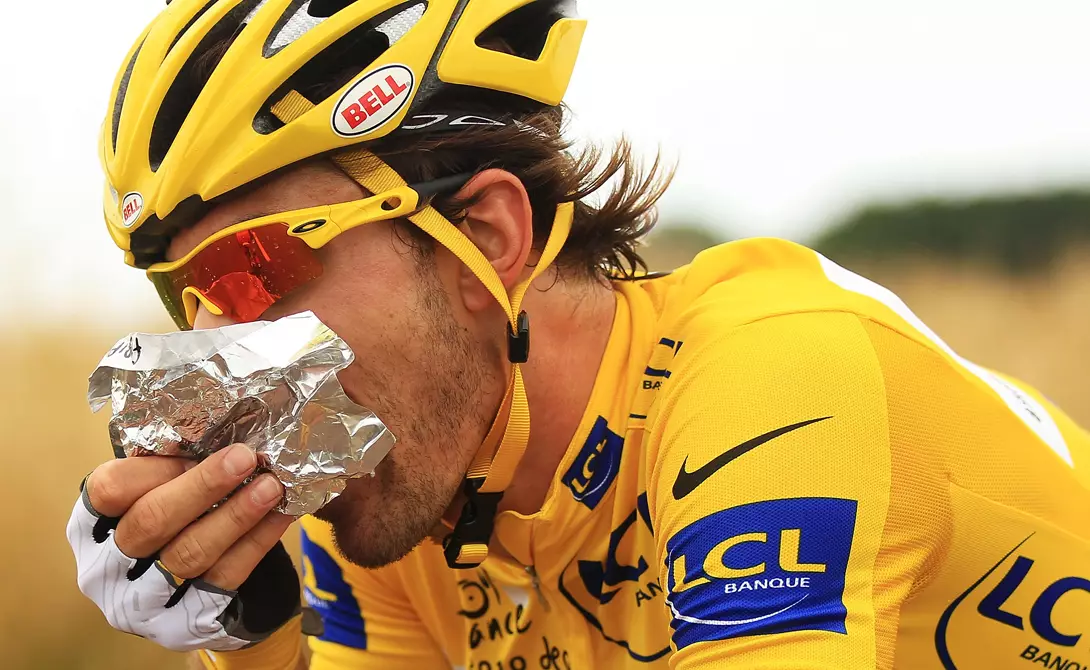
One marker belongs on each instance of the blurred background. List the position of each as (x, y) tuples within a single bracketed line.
[(940, 147)]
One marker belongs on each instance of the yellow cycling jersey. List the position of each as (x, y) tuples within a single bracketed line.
[(779, 466)]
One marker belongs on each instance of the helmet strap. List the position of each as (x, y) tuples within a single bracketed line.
[(494, 466)]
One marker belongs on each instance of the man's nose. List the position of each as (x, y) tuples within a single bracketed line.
[(206, 320)]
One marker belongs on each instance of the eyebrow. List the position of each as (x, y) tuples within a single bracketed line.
[(227, 223), (249, 216)]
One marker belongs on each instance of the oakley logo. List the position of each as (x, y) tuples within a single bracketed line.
[(307, 227), (373, 100), (131, 208)]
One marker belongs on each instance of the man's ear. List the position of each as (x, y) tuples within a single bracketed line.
[(500, 223)]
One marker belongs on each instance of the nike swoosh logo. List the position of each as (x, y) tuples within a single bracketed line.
[(687, 482)]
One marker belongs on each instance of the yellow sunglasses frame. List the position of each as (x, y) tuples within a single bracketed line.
[(315, 226)]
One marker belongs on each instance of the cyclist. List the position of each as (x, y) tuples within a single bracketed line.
[(760, 460)]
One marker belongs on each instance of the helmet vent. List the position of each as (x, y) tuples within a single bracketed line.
[(302, 16), (524, 31), (327, 8), (190, 82), (396, 26), (119, 103), (343, 60), (196, 17), (296, 22)]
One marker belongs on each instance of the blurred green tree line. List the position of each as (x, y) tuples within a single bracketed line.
[(1017, 233)]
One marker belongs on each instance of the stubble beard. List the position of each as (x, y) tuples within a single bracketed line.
[(412, 489)]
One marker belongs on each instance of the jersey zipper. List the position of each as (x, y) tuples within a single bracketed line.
[(537, 586)]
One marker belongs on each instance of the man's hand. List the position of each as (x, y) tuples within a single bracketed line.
[(159, 564), (160, 502)]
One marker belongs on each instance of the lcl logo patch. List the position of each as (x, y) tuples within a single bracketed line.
[(767, 567), (373, 100), (131, 208), (327, 591), (1040, 615), (1037, 600), (596, 466)]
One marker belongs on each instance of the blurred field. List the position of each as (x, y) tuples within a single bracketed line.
[(1034, 327)]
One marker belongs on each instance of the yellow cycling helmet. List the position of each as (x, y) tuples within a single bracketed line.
[(216, 94), (175, 137)]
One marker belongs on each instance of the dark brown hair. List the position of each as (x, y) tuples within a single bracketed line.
[(607, 228), (605, 235)]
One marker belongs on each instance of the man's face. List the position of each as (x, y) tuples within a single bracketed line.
[(420, 366)]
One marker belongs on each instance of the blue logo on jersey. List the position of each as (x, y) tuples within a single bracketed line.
[(331, 596), (611, 590), (767, 567), (596, 466)]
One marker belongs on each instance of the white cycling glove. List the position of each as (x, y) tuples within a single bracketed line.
[(141, 597)]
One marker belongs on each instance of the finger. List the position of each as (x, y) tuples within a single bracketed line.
[(200, 545), (239, 561), (113, 487), (164, 511)]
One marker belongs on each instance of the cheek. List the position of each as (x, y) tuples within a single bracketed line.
[(365, 285), (366, 295), (363, 303)]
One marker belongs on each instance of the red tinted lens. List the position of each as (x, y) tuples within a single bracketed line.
[(243, 274)]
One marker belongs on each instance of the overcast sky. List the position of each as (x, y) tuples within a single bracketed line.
[(784, 115)]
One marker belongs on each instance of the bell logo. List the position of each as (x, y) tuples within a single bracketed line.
[(373, 101), (131, 208)]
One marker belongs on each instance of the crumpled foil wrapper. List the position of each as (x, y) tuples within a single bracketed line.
[(272, 385)]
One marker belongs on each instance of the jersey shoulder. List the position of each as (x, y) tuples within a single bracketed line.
[(742, 282), (755, 281)]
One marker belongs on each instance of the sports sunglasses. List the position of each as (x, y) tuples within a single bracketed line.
[(244, 269)]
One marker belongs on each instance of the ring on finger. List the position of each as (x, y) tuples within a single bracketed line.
[(173, 579)]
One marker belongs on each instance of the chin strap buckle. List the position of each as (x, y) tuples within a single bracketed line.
[(518, 343), (467, 545)]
